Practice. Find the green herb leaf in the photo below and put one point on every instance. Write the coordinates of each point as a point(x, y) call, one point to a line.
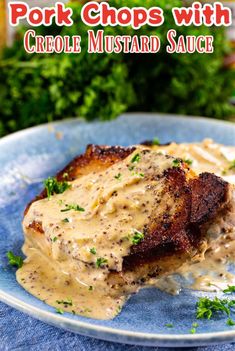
point(93, 251)
point(67, 302)
point(188, 161)
point(54, 239)
point(90, 288)
point(137, 237)
point(101, 262)
point(230, 322)
point(53, 186)
point(135, 158)
point(118, 176)
point(229, 289)
point(206, 307)
point(13, 260)
point(169, 325)
point(176, 163)
point(193, 330)
point(156, 141)
point(59, 310)
point(72, 207)
point(65, 220)
point(131, 168)
point(195, 325)
point(232, 165)
point(141, 175)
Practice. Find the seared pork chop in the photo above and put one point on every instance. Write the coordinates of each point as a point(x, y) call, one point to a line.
point(145, 213)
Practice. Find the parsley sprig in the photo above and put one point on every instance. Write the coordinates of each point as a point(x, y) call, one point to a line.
point(230, 289)
point(53, 186)
point(13, 260)
point(206, 307)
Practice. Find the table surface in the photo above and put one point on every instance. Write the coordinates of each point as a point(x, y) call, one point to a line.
point(21, 332)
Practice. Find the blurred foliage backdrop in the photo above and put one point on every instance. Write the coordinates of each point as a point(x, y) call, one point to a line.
point(44, 87)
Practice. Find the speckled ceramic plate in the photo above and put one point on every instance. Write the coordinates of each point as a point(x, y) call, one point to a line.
point(29, 156)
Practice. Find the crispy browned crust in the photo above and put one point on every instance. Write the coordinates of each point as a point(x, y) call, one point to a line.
point(187, 206)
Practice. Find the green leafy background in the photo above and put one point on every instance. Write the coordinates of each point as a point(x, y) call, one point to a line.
point(44, 87)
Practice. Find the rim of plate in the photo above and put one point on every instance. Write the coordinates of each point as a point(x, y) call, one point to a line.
point(109, 333)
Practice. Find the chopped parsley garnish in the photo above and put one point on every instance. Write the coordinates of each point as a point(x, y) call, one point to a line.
point(72, 207)
point(53, 186)
point(188, 161)
point(101, 262)
point(229, 289)
point(90, 288)
point(176, 163)
point(230, 322)
point(118, 176)
point(138, 174)
point(206, 307)
point(67, 302)
point(65, 220)
point(232, 165)
point(54, 239)
point(131, 168)
point(65, 175)
point(59, 310)
point(169, 325)
point(93, 251)
point(13, 260)
point(156, 141)
point(193, 330)
point(137, 237)
point(135, 158)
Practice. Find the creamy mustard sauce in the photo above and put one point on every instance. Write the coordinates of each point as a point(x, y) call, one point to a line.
point(63, 269)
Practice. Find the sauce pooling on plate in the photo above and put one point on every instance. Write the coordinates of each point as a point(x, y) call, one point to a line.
point(110, 208)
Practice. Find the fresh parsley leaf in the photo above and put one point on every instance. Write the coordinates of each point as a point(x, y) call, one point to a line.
point(230, 289)
point(169, 325)
point(131, 168)
point(90, 288)
point(93, 251)
point(53, 186)
point(193, 330)
point(137, 237)
point(67, 302)
point(232, 165)
point(13, 260)
point(176, 163)
point(54, 239)
point(141, 175)
point(135, 158)
point(230, 322)
point(101, 262)
point(188, 161)
point(195, 325)
point(118, 176)
point(72, 207)
point(65, 220)
point(207, 307)
point(59, 310)
point(156, 141)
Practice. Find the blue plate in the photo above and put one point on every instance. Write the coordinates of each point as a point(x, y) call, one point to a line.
point(29, 156)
